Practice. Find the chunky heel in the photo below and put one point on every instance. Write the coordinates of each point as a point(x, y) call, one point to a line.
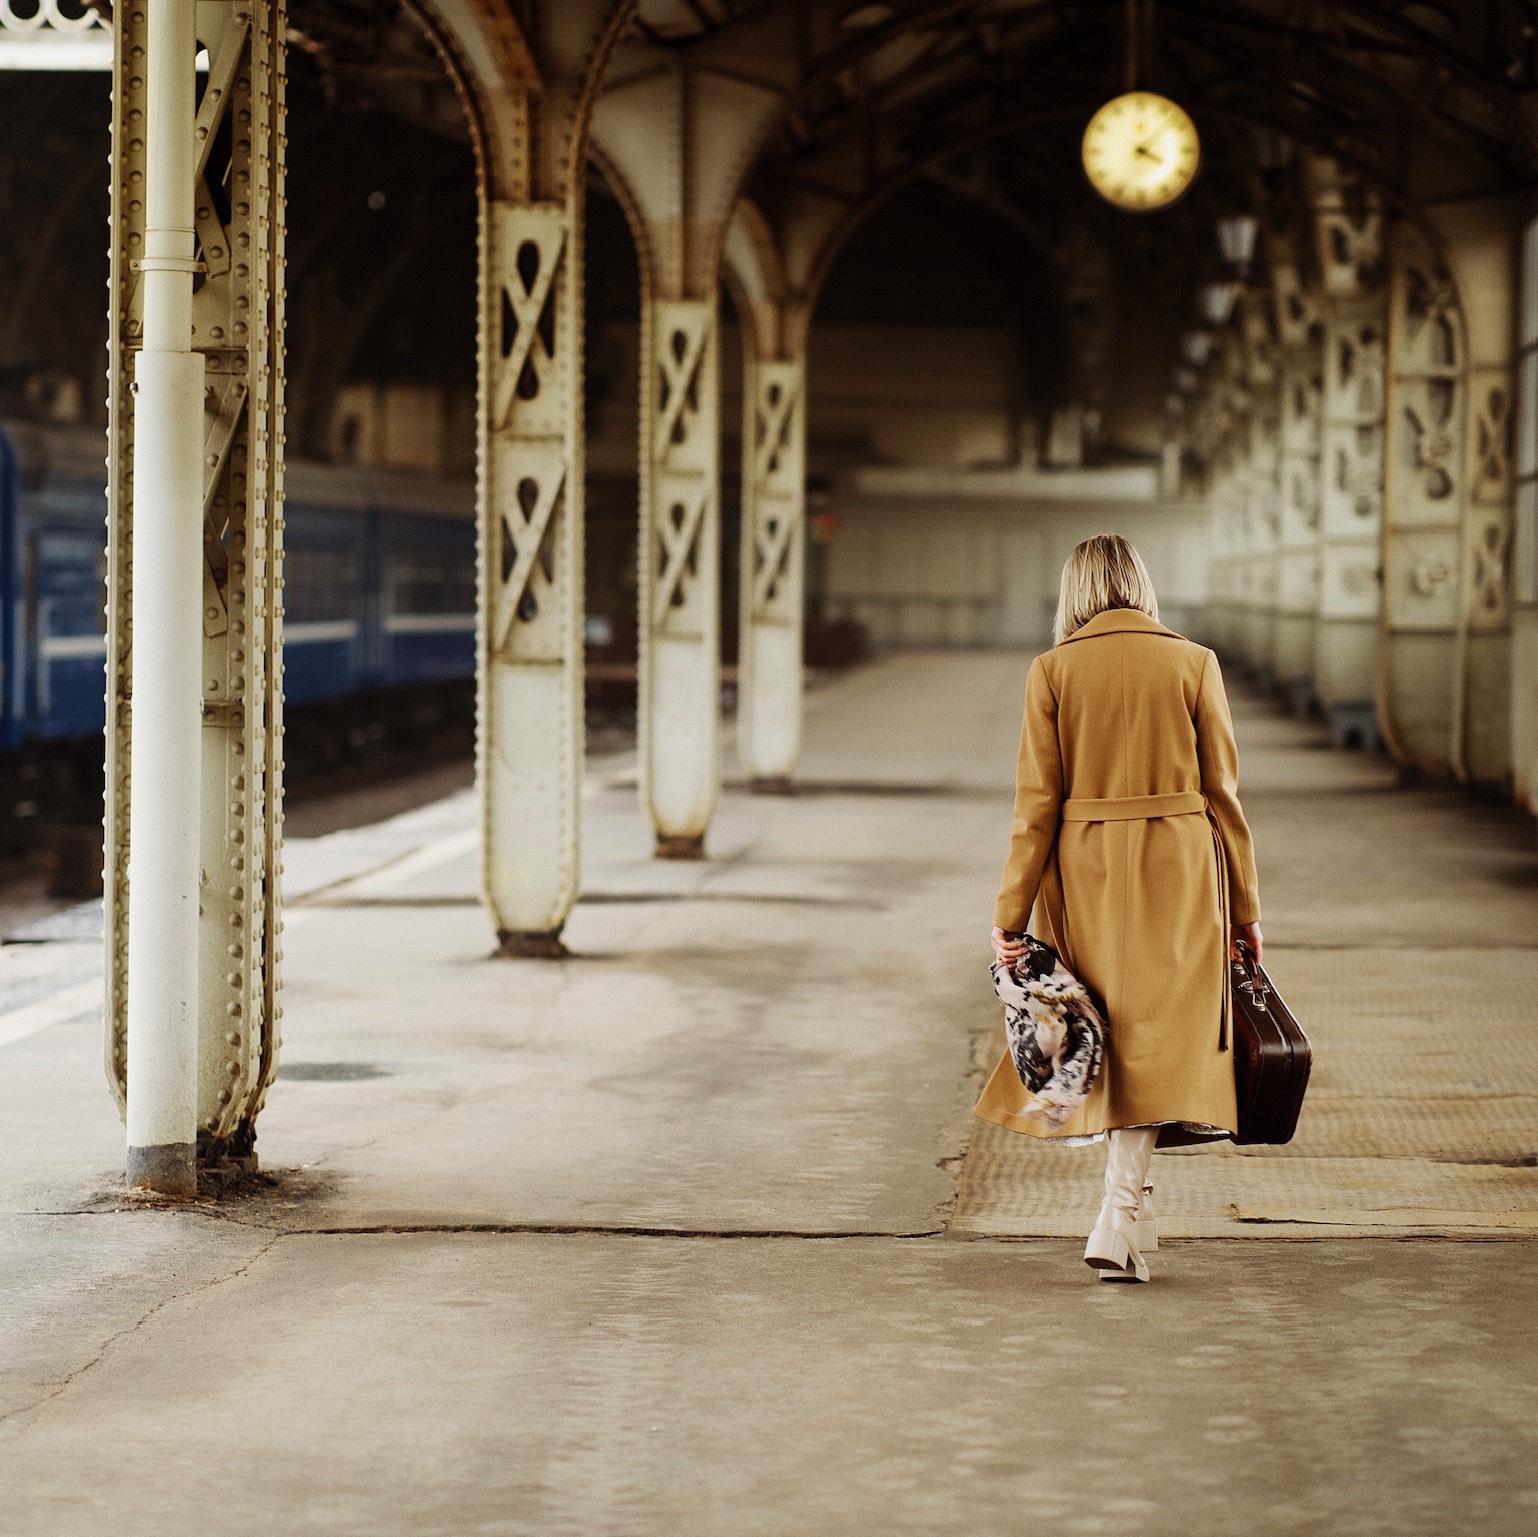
point(1107, 1250)
point(1136, 1269)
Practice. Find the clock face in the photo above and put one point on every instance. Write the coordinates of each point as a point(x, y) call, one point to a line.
point(1141, 151)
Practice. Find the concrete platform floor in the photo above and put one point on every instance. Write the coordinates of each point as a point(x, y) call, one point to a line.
point(681, 1236)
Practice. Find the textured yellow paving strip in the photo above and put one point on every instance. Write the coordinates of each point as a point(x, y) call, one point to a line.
point(1422, 1117)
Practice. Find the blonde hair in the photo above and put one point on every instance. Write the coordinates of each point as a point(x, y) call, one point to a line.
point(1103, 572)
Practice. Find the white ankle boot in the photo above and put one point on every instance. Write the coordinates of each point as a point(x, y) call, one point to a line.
point(1113, 1248)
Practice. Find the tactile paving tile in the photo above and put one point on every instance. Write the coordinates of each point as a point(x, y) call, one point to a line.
point(1422, 1116)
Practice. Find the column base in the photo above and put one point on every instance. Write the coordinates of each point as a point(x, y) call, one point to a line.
point(1302, 701)
point(680, 846)
point(1353, 723)
point(168, 1169)
point(226, 1164)
point(530, 945)
point(772, 784)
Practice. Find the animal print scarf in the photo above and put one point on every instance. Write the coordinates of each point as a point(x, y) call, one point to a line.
point(1055, 1033)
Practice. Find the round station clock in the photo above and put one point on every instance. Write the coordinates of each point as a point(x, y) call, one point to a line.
point(1141, 151)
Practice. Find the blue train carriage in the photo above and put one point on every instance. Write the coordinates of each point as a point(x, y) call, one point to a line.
point(426, 550)
point(378, 581)
point(379, 636)
point(379, 614)
point(53, 572)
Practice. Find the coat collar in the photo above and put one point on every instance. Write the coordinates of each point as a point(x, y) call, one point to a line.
point(1119, 621)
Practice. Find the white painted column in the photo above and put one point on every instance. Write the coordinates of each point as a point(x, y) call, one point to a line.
point(773, 582)
point(679, 584)
point(530, 737)
point(167, 636)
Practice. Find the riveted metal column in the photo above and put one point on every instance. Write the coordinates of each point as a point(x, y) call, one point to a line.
point(530, 739)
point(679, 573)
point(1244, 524)
point(1257, 365)
point(773, 579)
point(1483, 256)
point(1228, 546)
point(1264, 521)
point(1297, 605)
point(232, 171)
point(1524, 618)
point(1225, 574)
point(1351, 507)
point(1422, 533)
point(1300, 401)
point(1348, 229)
point(156, 61)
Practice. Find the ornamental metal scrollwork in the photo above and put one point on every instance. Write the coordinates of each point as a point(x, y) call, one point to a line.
point(1490, 544)
point(1348, 225)
point(1305, 499)
point(1428, 577)
point(1432, 446)
point(1492, 445)
point(1358, 578)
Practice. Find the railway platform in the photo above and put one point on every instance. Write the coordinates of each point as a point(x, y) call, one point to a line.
point(692, 1232)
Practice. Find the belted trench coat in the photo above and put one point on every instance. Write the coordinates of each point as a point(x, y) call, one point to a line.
point(1129, 843)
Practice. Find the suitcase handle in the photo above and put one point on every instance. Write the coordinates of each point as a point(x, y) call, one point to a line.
point(1252, 979)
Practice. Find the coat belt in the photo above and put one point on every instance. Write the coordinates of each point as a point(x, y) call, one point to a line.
point(1135, 808)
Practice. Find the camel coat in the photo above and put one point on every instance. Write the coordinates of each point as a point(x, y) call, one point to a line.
point(1129, 842)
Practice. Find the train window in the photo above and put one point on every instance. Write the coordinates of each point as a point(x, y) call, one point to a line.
point(340, 584)
point(430, 584)
point(64, 573)
point(297, 576)
point(318, 585)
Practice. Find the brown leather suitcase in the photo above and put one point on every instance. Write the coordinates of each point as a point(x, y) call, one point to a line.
point(1272, 1056)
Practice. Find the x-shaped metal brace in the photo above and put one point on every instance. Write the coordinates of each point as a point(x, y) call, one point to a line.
point(1493, 449)
point(775, 409)
point(528, 305)
point(1491, 548)
point(527, 532)
point(222, 428)
point(678, 374)
point(771, 543)
point(678, 540)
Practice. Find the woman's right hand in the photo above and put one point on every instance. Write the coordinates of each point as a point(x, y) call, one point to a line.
point(1007, 947)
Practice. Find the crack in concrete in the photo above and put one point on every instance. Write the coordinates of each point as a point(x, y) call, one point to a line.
point(603, 1230)
point(556, 1229)
point(16, 1415)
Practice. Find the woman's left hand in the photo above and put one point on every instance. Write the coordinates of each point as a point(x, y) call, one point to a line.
point(1249, 935)
point(1007, 948)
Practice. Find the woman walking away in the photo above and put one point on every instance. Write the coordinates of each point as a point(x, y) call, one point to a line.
point(1129, 843)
